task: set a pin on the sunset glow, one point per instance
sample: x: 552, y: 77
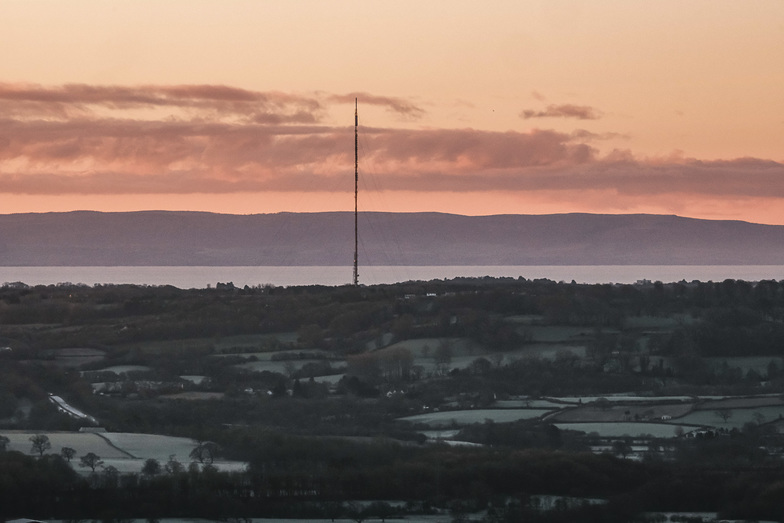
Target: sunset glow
x: 465, y: 107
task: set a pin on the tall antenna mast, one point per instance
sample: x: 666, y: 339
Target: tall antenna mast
x: 356, y: 189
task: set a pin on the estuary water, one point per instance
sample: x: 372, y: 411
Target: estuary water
x: 189, y: 277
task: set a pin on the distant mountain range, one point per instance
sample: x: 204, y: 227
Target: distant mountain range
x: 86, y: 238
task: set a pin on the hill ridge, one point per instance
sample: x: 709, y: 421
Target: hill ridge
x: 192, y: 238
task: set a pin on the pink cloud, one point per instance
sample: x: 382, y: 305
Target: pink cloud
x: 469, y: 150
x: 77, y: 140
x: 397, y: 105
x: 580, y: 112
x: 86, y: 101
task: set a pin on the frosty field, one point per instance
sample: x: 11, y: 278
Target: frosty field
x: 126, y: 452
x: 467, y: 417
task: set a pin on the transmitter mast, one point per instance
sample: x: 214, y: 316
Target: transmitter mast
x: 356, y: 189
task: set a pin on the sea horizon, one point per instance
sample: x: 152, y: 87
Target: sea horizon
x: 188, y: 277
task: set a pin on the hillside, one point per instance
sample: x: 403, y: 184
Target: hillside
x: 86, y: 238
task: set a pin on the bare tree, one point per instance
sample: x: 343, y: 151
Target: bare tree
x: 724, y: 414
x: 91, y: 460
x: 40, y: 443
x: 67, y: 453
x: 204, y: 451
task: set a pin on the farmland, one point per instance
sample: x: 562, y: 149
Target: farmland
x: 321, y: 397
x: 467, y: 417
x: 126, y: 452
x: 635, y: 430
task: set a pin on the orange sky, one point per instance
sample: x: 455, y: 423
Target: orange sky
x: 466, y: 107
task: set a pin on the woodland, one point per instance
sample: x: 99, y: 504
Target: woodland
x: 343, y: 402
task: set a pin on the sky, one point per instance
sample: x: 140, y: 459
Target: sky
x: 466, y: 107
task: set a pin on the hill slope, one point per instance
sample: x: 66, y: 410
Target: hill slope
x: 195, y: 238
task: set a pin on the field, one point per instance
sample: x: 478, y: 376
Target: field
x: 529, y: 403
x: 626, y: 398
x: 758, y: 364
x: 281, y: 367
x: 423, y: 349
x: 82, y: 442
x: 548, y: 351
x: 617, y: 430
x: 283, y: 362
x: 194, y: 396
x: 467, y: 417
x: 614, y: 420
x: 73, y: 358
x: 551, y: 343
x: 612, y: 413
x: 559, y: 333
x: 124, y: 369
x: 740, y: 403
x: 739, y: 417
x: 241, y: 343
x: 656, y: 322
x: 196, y: 380
x: 464, y: 352
x: 126, y: 452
